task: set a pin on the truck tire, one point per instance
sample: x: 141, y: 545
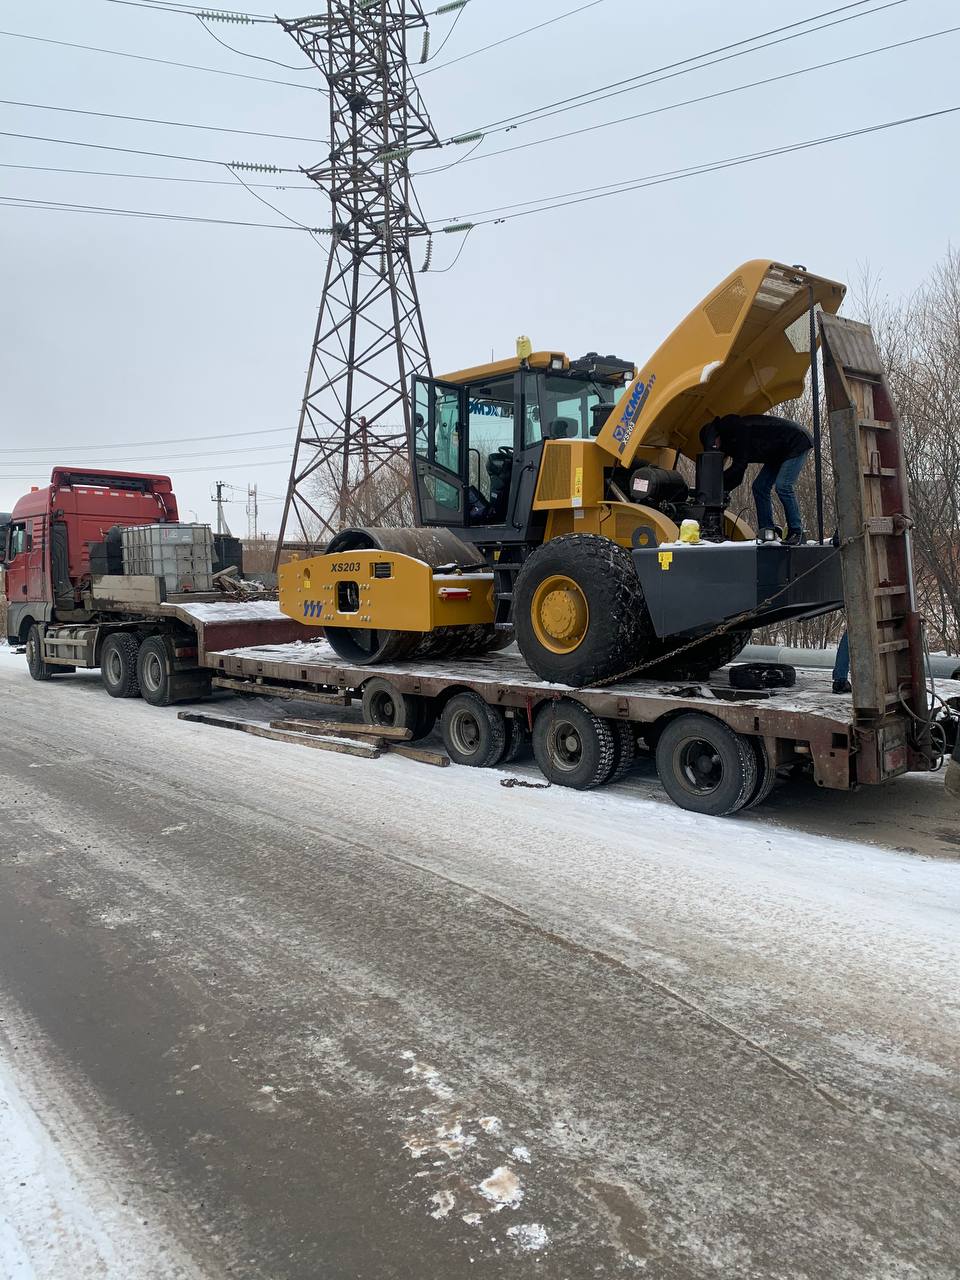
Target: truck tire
x: 118, y: 665
x: 38, y: 669
x: 579, y: 611
x: 384, y: 704
x: 573, y: 747
x: 474, y: 733
x: 624, y: 748
x: 154, y: 672
x: 705, y: 766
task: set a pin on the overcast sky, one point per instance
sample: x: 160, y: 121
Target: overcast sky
x: 129, y: 342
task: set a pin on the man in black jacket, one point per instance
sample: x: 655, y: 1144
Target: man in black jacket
x: 782, y: 446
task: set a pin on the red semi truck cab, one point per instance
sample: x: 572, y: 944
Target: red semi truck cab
x: 45, y: 541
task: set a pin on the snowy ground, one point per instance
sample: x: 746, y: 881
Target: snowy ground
x: 328, y: 1016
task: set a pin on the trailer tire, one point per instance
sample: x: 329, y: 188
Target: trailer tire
x: 705, y: 766
x: 384, y: 704
x: 39, y: 670
x: 766, y: 774
x: 118, y: 665
x: 624, y: 749
x: 474, y: 733
x: 573, y: 747
x: 518, y: 745
x: 579, y: 611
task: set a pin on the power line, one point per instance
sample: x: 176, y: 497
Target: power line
x: 175, y: 124
x: 686, y: 102
x: 287, y: 66
x: 506, y: 39
x: 675, y: 175
x: 212, y: 469
x: 191, y: 10
x: 60, y: 206
x: 128, y: 151
x: 138, y: 444
x: 681, y: 67
x: 164, y: 62
x: 168, y: 457
x: 156, y: 177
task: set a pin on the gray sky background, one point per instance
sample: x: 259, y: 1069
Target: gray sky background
x: 129, y: 334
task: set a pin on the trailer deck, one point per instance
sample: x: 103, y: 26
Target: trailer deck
x: 806, y: 721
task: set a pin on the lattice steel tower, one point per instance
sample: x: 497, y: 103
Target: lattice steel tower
x: 370, y: 337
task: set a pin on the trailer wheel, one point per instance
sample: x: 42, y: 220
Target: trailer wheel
x: 766, y: 774
x: 705, y: 766
x: 579, y: 611
x: 384, y: 704
x: 118, y: 665
x: 518, y: 745
x: 573, y: 747
x: 474, y: 733
x: 38, y: 669
x: 624, y: 748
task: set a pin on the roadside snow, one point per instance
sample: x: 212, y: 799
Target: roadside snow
x: 60, y: 1213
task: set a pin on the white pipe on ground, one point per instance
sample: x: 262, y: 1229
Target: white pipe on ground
x: 942, y: 666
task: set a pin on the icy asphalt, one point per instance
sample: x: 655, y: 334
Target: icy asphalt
x: 280, y: 1014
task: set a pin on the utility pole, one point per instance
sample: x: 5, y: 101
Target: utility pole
x: 222, y: 526
x: 369, y: 338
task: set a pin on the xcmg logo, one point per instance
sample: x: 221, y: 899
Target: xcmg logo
x: 638, y: 398
x: 312, y: 608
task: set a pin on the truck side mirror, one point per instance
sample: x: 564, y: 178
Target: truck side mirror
x: 4, y: 535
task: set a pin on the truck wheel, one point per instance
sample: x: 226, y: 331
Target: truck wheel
x: 38, y: 669
x: 153, y: 672
x: 384, y: 704
x: 474, y: 733
x: 705, y: 766
x: 573, y: 747
x: 624, y: 748
x: 579, y: 611
x: 118, y: 665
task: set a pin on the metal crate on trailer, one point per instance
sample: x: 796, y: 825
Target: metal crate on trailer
x: 181, y: 555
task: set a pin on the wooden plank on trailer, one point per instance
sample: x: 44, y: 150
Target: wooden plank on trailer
x: 367, y: 750
x: 279, y: 691
x: 337, y: 727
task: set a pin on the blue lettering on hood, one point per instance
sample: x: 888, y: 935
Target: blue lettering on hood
x: 628, y: 420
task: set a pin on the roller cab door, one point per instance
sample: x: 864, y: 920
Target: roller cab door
x: 439, y: 452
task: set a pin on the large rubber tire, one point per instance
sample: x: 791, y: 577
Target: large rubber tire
x: 573, y: 747
x: 118, y: 665
x: 616, y: 632
x: 384, y: 704
x: 39, y: 670
x: 705, y: 766
x: 624, y: 748
x: 763, y: 675
x: 474, y: 733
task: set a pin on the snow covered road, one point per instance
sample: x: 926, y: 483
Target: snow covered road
x: 333, y: 1017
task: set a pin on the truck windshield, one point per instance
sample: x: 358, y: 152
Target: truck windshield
x: 560, y: 408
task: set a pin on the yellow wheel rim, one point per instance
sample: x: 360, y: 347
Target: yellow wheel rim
x: 560, y: 614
